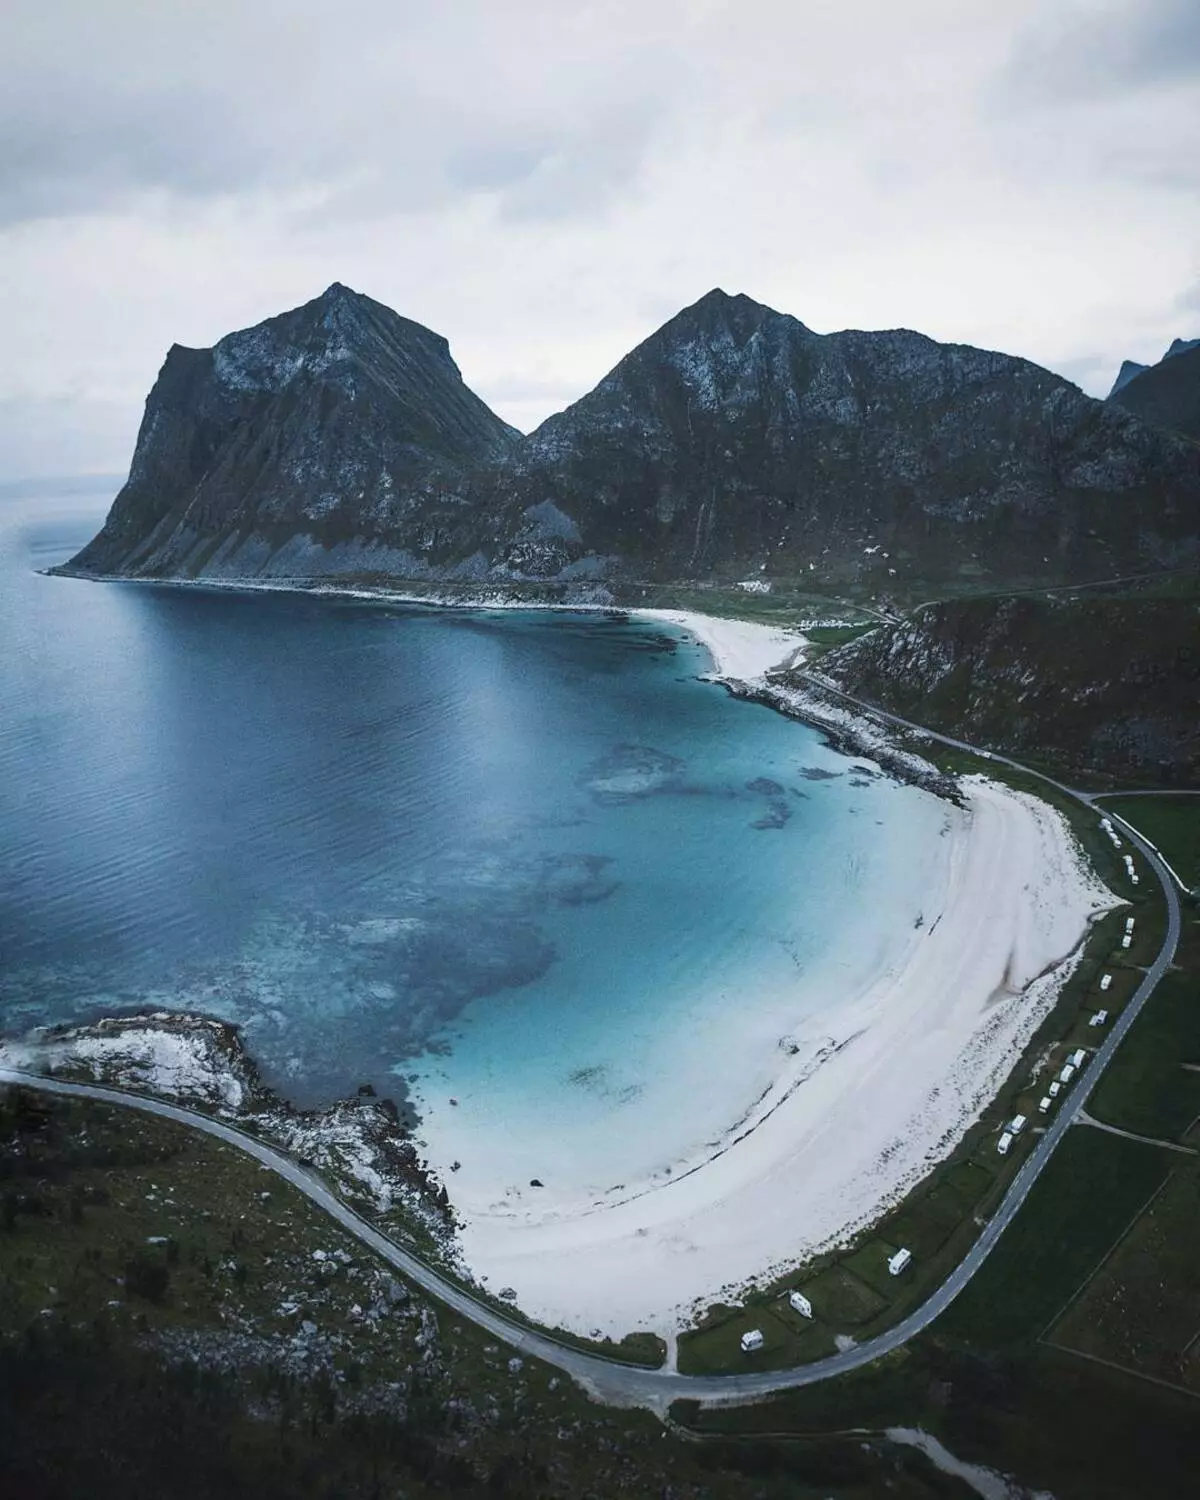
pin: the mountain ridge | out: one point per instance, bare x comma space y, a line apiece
338, 439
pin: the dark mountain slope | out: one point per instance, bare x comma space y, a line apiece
323, 422
1128, 371
1167, 394
339, 439
1085, 684
736, 440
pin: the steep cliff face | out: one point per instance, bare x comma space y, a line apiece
339, 439
735, 440
327, 427
1107, 685
1166, 394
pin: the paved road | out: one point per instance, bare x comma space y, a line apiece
629, 1385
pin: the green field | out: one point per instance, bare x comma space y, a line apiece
1146, 1088
1171, 824
1142, 1309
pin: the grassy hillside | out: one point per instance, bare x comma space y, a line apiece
1082, 685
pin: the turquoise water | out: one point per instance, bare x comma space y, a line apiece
519, 858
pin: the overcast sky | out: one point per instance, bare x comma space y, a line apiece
546, 181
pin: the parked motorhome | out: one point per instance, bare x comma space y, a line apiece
800, 1303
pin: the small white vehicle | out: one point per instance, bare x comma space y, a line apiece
752, 1340
1004, 1144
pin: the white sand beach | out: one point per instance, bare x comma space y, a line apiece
879, 1087
742, 650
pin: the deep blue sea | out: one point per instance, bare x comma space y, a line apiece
520, 856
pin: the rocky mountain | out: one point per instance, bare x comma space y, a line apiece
306, 439
735, 440
1168, 393
339, 440
1082, 684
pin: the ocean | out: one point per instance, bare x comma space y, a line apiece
528, 862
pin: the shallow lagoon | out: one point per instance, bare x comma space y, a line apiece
527, 861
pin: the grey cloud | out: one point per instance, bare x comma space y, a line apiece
1189, 301
406, 108
1091, 54
57, 161
1093, 372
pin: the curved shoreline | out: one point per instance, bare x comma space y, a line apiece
883, 1084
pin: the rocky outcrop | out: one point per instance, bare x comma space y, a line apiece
1083, 685
339, 441
322, 433
1166, 394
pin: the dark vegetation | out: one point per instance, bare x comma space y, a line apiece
166, 1328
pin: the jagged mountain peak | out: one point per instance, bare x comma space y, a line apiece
729, 314
1130, 369
1166, 394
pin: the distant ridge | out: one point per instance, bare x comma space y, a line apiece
1166, 394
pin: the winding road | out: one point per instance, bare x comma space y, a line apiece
630, 1385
